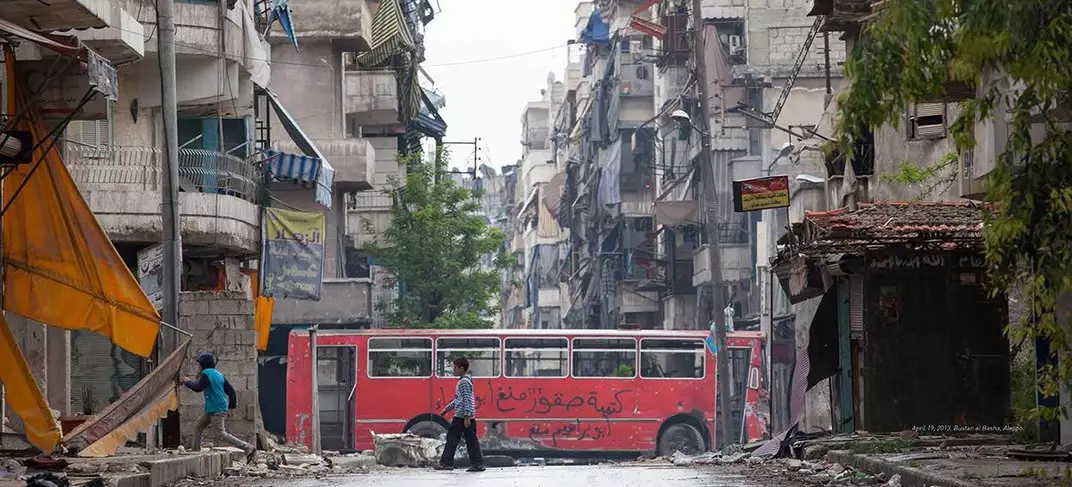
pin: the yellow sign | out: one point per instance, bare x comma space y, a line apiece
761, 193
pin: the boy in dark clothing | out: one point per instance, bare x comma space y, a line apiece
220, 399
464, 423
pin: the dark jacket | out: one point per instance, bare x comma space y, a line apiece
208, 361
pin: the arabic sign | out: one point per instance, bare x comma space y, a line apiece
761, 193
293, 265
151, 274
62, 93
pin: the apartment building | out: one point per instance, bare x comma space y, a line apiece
113, 149
347, 73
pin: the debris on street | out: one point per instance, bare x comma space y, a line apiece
407, 450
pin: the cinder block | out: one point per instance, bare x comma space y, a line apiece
223, 307
246, 307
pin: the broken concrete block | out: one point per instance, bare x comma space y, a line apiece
407, 450
297, 459
350, 462
895, 481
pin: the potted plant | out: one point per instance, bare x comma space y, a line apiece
89, 406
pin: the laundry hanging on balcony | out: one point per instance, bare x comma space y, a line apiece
323, 172
56, 252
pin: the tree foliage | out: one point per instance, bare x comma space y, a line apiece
435, 247
1018, 56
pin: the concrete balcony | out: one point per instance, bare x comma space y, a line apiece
217, 198
370, 98
354, 160
342, 301
122, 42
197, 29
60, 14
336, 20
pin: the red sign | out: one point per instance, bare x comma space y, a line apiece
761, 193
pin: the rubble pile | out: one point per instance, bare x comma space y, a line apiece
811, 472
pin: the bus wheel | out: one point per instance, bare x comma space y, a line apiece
683, 438
428, 429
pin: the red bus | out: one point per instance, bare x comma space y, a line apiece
536, 390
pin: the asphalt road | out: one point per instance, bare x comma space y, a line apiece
551, 476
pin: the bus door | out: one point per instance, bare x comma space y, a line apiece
336, 369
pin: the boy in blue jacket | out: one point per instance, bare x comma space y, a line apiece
220, 399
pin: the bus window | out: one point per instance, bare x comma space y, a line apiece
537, 357
400, 357
604, 357
483, 355
671, 358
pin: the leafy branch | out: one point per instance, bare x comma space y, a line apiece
935, 176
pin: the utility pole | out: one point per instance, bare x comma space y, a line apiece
165, 18
708, 200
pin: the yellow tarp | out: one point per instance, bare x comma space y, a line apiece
60, 268
140, 423
262, 320
23, 396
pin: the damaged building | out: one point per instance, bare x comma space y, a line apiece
904, 325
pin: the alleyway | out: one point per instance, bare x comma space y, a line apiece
558, 476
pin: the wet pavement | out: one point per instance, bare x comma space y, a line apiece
557, 476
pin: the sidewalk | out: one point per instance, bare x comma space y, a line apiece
958, 467
134, 470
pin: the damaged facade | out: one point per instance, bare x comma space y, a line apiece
235, 126
905, 327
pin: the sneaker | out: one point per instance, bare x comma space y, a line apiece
444, 467
476, 468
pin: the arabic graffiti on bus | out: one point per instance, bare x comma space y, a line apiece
506, 400
568, 431
441, 401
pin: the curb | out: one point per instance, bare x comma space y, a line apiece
910, 477
165, 471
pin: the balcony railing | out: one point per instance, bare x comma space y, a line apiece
138, 169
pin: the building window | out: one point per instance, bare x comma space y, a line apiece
400, 357
604, 357
483, 355
537, 357
927, 121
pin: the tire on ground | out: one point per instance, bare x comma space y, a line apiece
681, 437
428, 429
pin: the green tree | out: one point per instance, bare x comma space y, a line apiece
1016, 54
435, 247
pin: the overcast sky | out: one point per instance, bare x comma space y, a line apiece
489, 58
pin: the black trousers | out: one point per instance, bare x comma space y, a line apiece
472, 444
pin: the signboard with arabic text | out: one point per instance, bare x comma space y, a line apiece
761, 193
293, 263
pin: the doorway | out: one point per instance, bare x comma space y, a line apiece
336, 374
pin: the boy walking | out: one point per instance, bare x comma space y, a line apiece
220, 399
464, 423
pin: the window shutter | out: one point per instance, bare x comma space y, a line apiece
89, 133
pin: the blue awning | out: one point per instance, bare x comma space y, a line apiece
292, 167
325, 175
279, 11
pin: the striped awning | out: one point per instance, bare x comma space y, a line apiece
390, 35
292, 167
324, 174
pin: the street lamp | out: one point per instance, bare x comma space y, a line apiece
787, 148
684, 124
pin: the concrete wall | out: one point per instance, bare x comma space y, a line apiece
309, 84
221, 323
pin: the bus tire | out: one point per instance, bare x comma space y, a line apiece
428, 429
681, 437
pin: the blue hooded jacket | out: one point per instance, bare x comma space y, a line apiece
219, 395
